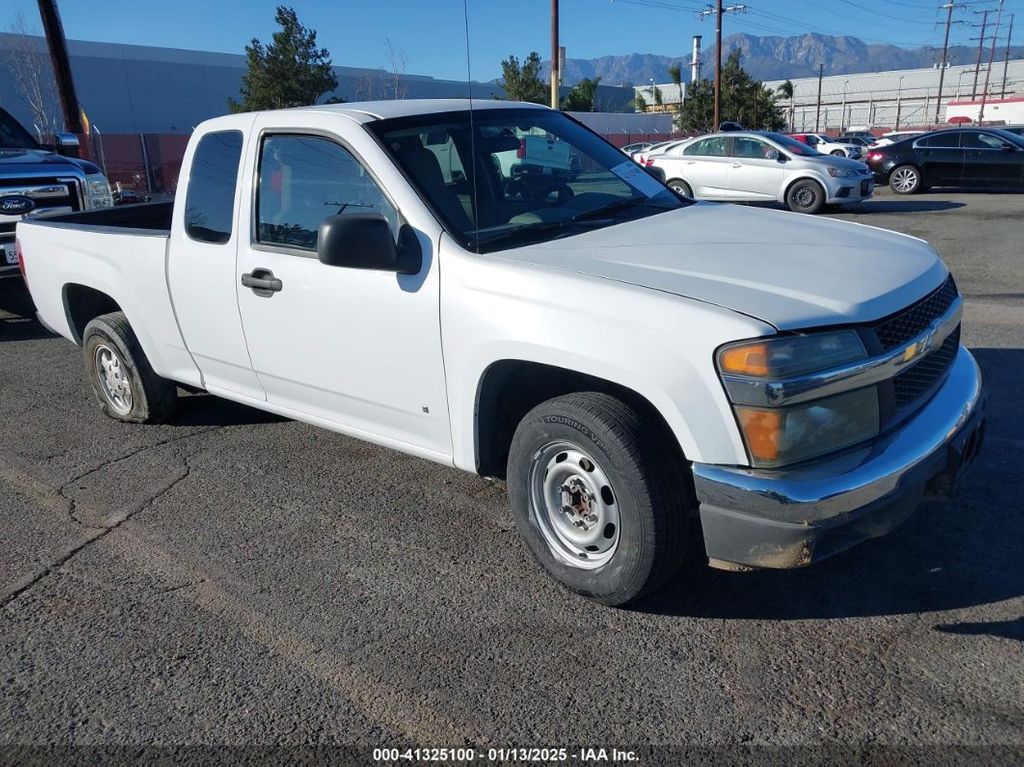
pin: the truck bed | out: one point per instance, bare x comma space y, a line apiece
119, 253
149, 217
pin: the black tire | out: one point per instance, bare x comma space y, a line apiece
110, 339
680, 186
645, 487
838, 153
906, 179
805, 196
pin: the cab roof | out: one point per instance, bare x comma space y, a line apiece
368, 111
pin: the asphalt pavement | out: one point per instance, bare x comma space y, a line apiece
236, 578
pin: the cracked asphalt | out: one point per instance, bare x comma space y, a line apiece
236, 578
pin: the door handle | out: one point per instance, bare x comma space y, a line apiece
262, 282
737, 165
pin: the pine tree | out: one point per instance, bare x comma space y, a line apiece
289, 72
521, 82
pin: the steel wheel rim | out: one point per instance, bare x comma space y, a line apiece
681, 189
113, 379
904, 179
804, 197
574, 505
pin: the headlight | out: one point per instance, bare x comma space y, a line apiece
836, 173
786, 356
97, 191
776, 436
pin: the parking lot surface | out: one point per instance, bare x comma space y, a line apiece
239, 578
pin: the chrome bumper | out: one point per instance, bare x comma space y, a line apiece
789, 518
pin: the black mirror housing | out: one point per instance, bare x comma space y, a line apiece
364, 241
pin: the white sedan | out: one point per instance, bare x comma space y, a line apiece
763, 167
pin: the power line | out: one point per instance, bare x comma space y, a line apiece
718, 11
991, 60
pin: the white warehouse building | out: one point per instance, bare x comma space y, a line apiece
907, 98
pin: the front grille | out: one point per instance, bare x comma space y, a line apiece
48, 193
908, 324
914, 383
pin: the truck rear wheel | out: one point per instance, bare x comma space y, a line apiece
597, 497
120, 375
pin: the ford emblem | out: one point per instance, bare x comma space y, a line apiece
16, 205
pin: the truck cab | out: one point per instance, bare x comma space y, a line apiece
35, 180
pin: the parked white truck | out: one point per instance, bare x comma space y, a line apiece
643, 371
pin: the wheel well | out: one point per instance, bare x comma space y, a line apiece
796, 181
509, 389
83, 304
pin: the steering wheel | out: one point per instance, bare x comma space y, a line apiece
563, 194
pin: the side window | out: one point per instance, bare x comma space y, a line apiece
752, 148
709, 147
210, 200
305, 179
942, 141
983, 141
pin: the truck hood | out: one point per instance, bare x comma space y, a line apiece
787, 269
41, 162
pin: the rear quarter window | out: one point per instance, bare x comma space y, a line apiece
210, 200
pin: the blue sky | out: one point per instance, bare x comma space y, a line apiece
432, 36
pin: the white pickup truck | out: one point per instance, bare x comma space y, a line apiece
643, 371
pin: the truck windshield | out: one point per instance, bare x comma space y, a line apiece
505, 177
12, 135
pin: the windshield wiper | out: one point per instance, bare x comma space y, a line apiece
611, 207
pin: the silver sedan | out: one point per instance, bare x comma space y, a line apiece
744, 166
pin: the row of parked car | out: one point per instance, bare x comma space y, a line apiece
806, 172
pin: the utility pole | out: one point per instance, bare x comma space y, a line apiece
58, 46
555, 75
717, 10
1006, 59
981, 46
945, 58
991, 61
817, 112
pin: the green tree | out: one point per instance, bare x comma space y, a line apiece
675, 73
744, 100
288, 72
521, 82
582, 97
787, 92
639, 103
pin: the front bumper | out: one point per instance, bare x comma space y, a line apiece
791, 518
846, 190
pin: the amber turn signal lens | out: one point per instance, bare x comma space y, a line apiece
750, 359
762, 431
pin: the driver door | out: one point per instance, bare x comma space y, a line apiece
357, 349
755, 172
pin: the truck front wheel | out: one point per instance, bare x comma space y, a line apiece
120, 375
597, 496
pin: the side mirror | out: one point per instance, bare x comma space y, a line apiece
66, 144
364, 241
1009, 148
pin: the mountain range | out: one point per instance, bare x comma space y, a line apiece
774, 58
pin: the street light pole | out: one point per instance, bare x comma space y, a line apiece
899, 102
945, 58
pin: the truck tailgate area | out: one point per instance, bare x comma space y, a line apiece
68, 256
